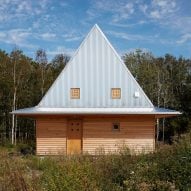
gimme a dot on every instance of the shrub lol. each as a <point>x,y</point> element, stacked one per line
<point>26,149</point>
<point>169,168</point>
<point>68,174</point>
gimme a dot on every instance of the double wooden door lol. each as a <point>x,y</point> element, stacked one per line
<point>74,137</point>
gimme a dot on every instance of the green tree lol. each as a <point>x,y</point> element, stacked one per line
<point>58,63</point>
<point>41,59</point>
<point>21,69</point>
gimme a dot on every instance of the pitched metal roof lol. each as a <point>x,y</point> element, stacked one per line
<point>95,68</point>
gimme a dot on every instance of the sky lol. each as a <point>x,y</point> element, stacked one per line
<point>59,26</point>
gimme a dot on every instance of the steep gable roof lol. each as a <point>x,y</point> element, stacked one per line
<point>95,68</point>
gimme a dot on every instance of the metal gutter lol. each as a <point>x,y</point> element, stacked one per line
<point>58,111</point>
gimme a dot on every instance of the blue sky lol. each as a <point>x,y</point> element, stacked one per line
<point>59,26</point>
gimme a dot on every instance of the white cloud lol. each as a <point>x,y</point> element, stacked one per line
<point>143,8</point>
<point>18,37</point>
<point>143,38</point>
<point>161,12</point>
<point>131,37</point>
<point>76,38</point>
<point>182,23</point>
<point>43,3</point>
<point>155,14</point>
<point>15,36</point>
<point>2,35</point>
<point>159,9</point>
<point>126,25</point>
<point>21,9</point>
<point>72,37</point>
<point>120,10</point>
<point>48,36</point>
<point>184,38</point>
<point>124,12</point>
<point>60,50</point>
<point>24,6</point>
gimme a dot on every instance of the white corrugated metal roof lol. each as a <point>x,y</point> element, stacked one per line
<point>95,68</point>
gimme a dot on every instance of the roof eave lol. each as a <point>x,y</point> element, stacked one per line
<point>158,112</point>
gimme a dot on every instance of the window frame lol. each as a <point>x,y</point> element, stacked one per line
<point>118,129</point>
<point>114,96</point>
<point>73,96</point>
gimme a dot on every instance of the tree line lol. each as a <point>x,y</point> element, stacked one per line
<point>167,82</point>
<point>23,81</point>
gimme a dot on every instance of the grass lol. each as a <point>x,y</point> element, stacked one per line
<point>167,169</point>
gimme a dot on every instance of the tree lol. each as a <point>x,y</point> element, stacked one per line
<point>5,95</point>
<point>20,72</point>
<point>41,59</point>
<point>59,62</point>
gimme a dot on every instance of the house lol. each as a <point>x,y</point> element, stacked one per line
<point>95,104</point>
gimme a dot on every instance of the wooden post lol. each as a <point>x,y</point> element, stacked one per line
<point>163,120</point>
<point>157,129</point>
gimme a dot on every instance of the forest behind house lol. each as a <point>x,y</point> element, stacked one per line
<point>23,81</point>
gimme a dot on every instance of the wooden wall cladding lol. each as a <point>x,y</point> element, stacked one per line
<point>136,132</point>
<point>51,136</point>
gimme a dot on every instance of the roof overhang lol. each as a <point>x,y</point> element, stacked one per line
<point>158,112</point>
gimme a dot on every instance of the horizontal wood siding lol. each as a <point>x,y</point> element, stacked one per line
<point>137,133</point>
<point>51,136</point>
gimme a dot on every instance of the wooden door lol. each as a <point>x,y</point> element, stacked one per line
<point>74,137</point>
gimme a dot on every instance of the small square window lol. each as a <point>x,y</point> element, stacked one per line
<point>116,93</point>
<point>75,93</point>
<point>116,127</point>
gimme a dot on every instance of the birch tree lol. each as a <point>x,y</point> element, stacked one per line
<point>20,70</point>
<point>41,59</point>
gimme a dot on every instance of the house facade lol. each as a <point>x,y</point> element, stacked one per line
<point>95,105</point>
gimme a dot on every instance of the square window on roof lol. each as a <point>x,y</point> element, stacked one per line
<point>116,93</point>
<point>75,93</point>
